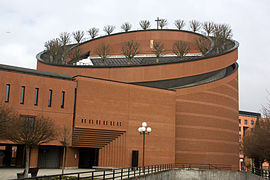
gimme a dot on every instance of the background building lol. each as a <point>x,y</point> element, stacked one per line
<point>190,102</point>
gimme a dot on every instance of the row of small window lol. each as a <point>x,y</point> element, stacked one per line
<point>105,123</point>
<point>22,98</point>
<point>251,122</point>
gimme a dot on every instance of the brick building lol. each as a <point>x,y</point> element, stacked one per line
<point>191,103</point>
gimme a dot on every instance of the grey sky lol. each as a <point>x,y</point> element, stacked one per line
<point>26,25</point>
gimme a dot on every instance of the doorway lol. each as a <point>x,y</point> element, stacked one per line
<point>48,157</point>
<point>88,157</point>
<point>135,159</point>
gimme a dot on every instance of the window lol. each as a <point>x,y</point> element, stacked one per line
<point>239,121</point>
<point>50,98</point>
<point>239,137</point>
<point>239,128</point>
<point>63,99</point>
<point>245,121</point>
<point>36,96</point>
<point>7,92</point>
<point>22,94</point>
<point>252,122</point>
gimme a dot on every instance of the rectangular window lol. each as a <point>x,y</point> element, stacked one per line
<point>7,92</point>
<point>239,121</point>
<point>240,129</point>
<point>36,96</point>
<point>252,122</point>
<point>63,99</point>
<point>245,121</point>
<point>50,98</point>
<point>22,94</point>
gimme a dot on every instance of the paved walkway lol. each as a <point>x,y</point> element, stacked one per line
<point>11,173</point>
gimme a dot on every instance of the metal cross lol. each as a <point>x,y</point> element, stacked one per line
<point>158,21</point>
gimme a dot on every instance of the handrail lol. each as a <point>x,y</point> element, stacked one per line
<point>132,172</point>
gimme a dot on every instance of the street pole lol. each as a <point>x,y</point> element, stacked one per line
<point>143,147</point>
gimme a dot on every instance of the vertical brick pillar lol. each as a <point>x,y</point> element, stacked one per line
<point>72,157</point>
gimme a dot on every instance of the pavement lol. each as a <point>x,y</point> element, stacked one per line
<point>11,173</point>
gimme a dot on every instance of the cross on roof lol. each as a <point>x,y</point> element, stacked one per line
<point>158,21</point>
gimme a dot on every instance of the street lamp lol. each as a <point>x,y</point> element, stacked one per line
<point>143,131</point>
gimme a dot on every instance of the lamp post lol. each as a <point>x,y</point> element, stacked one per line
<point>143,131</point>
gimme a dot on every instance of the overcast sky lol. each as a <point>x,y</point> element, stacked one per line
<point>26,24</point>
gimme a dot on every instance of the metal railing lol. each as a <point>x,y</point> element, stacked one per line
<point>126,173</point>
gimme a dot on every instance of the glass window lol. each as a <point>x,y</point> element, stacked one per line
<point>245,121</point>
<point>239,136</point>
<point>36,96</point>
<point>50,98</point>
<point>7,92</point>
<point>239,128</point>
<point>239,121</point>
<point>252,122</point>
<point>63,99</point>
<point>22,94</point>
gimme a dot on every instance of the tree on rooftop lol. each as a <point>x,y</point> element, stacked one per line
<point>78,36</point>
<point>180,48</point>
<point>202,45</point>
<point>27,130</point>
<point>126,26</point>
<point>103,50</point>
<point>109,29</point>
<point>222,32</point>
<point>208,27</point>
<point>158,49</point>
<point>194,25</point>
<point>130,49</point>
<point>179,24</point>
<point>93,32</point>
<point>163,23</point>
<point>75,54</point>
<point>145,24</point>
<point>64,40</point>
<point>54,51</point>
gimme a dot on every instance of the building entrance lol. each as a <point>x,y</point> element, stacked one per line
<point>88,157</point>
<point>48,157</point>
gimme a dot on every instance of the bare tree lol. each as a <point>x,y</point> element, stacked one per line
<point>31,132</point>
<point>221,32</point>
<point>130,49</point>
<point>158,49</point>
<point>180,48</point>
<point>203,45</point>
<point>78,36</point>
<point>75,54</point>
<point>145,24</point>
<point>64,137</point>
<point>163,23</point>
<point>54,51</point>
<point>7,115</point>
<point>208,27</point>
<point>179,24</point>
<point>103,51</point>
<point>194,25</point>
<point>64,40</point>
<point>93,32</point>
<point>109,29</point>
<point>126,26</point>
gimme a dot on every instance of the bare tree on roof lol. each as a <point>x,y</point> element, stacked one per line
<point>75,54</point>
<point>78,36</point>
<point>93,32</point>
<point>109,29</point>
<point>179,24</point>
<point>64,40</point>
<point>103,50</point>
<point>126,26</point>
<point>222,32</point>
<point>130,49</point>
<point>163,23</point>
<point>145,24</point>
<point>54,50</point>
<point>158,49</point>
<point>208,27</point>
<point>194,25</point>
<point>180,48</point>
<point>203,45</point>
